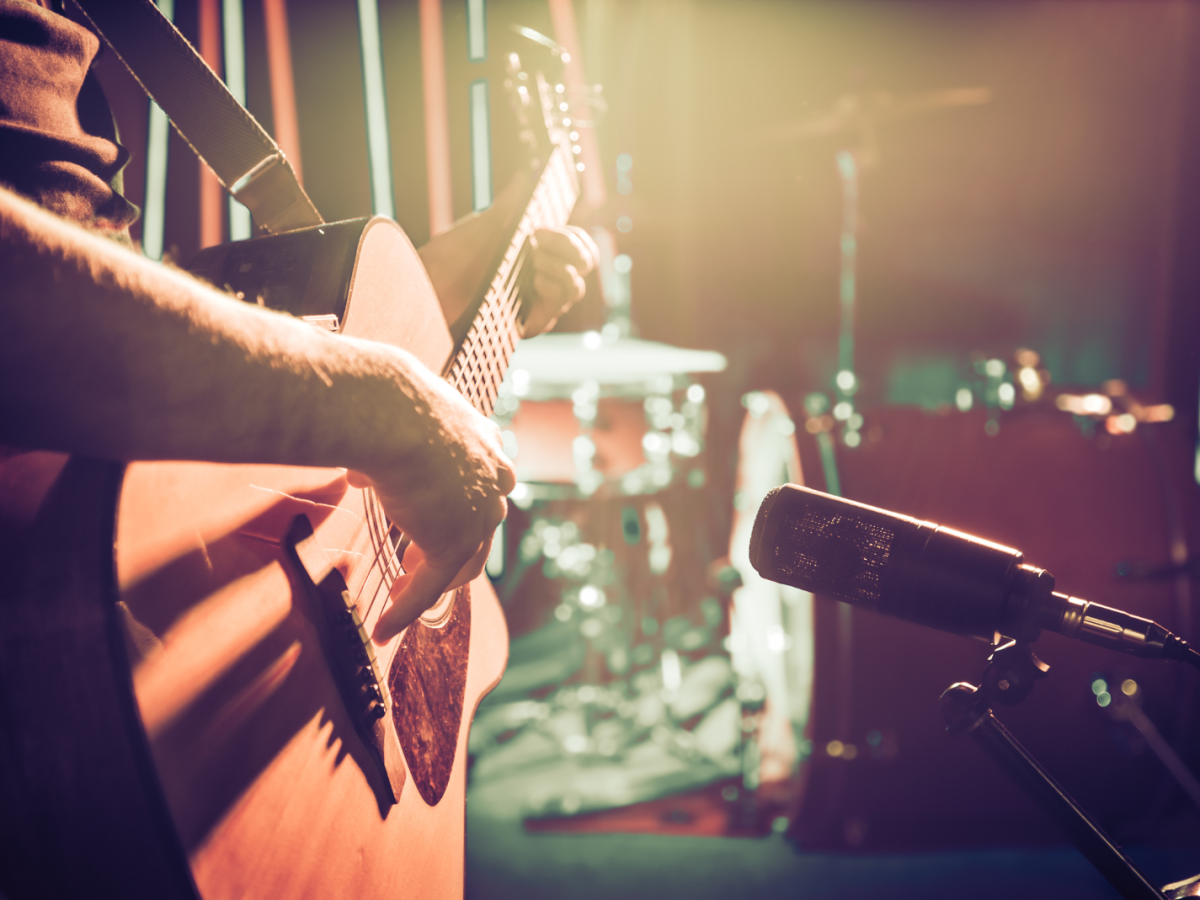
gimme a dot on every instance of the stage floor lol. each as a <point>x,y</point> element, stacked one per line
<point>503,861</point>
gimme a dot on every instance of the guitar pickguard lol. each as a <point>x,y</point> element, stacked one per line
<point>427,681</point>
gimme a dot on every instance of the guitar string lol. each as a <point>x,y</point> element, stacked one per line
<point>383,564</point>
<point>501,313</point>
<point>506,308</point>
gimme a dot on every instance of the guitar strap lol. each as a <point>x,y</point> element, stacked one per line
<point>230,141</point>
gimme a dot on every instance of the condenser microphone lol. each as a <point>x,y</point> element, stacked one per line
<point>932,575</point>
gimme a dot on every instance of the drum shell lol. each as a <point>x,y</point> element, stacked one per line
<point>1075,505</point>
<point>546,430</point>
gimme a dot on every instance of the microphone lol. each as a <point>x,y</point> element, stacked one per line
<point>932,575</point>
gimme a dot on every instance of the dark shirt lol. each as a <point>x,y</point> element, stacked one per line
<point>58,142</point>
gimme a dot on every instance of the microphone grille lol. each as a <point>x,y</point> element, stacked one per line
<point>823,544</point>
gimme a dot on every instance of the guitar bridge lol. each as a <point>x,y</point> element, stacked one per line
<point>350,656</point>
<point>369,704</point>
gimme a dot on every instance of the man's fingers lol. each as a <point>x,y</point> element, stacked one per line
<point>558,286</point>
<point>570,246</point>
<point>413,594</point>
<point>423,586</point>
<point>553,298</point>
<point>590,248</point>
<point>562,256</point>
<point>474,568</point>
<point>506,480</point>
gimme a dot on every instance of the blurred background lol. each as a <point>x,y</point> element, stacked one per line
<point>939,257</point>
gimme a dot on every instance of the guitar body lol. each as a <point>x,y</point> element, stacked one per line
<point>198,731</point>
<point>201,711</point>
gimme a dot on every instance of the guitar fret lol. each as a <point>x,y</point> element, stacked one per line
<point>478,368</point>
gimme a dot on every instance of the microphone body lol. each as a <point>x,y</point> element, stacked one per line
<point>931,575</point>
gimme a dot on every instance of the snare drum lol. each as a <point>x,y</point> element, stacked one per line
<point>580,414</point>
<point>546,436</point>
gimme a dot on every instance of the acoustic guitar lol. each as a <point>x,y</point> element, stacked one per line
<point>201,711</point>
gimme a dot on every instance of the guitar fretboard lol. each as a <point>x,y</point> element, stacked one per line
<point>479,366</point>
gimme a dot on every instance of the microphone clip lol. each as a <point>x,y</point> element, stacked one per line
<point>1011,673</point>
<point>1009,677</point>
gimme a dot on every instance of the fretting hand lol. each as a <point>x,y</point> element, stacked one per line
<point>562,257</point>
<point>457,261</point>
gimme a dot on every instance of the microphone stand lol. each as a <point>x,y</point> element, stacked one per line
<point>1008,679</point>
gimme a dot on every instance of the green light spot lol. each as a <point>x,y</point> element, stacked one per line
<point>1104,698</point>
<point>155,197</point>
<point>379,157</point>
<point>476,31</point>
<point>481,146</point>
<point>848,288</point>
<point>1099,686</point>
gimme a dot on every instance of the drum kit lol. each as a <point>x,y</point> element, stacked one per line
<point>641,669</point>
<point>633,675</point>
<point>622,685</point>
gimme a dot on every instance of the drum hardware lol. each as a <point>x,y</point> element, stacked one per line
<point>1138,570</point>
<point>1121,699</point>
<point>607,435</point>
<point>819,424</point>
<point>846,382</point>
<point>998,386</point>
<point>751,696</point>
<point>659,728</point>
<point>859,113</point>
<point>587,747</point>
<point>1008,679</point>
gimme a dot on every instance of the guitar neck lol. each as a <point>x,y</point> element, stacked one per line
<point>478,366</point>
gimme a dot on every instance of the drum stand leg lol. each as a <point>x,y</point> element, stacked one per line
<point>1009,677</point>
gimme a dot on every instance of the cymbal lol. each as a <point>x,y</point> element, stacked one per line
<point>557,361</point>
<point>858,111</point>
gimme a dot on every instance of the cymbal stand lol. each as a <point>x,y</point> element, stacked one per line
<point>1008,679</point>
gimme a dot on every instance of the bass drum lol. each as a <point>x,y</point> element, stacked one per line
<point>875,768</point>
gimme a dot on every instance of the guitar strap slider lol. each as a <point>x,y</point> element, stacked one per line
<point>274,197</point>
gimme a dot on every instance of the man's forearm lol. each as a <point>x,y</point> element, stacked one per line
<point>105,353</point>
<point>108,354</point>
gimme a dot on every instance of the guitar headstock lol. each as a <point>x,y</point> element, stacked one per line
<point>520,89</point>
<point>556,113</point>
<point>542,113</point>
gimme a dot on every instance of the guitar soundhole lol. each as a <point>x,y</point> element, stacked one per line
<point>428,680</point>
